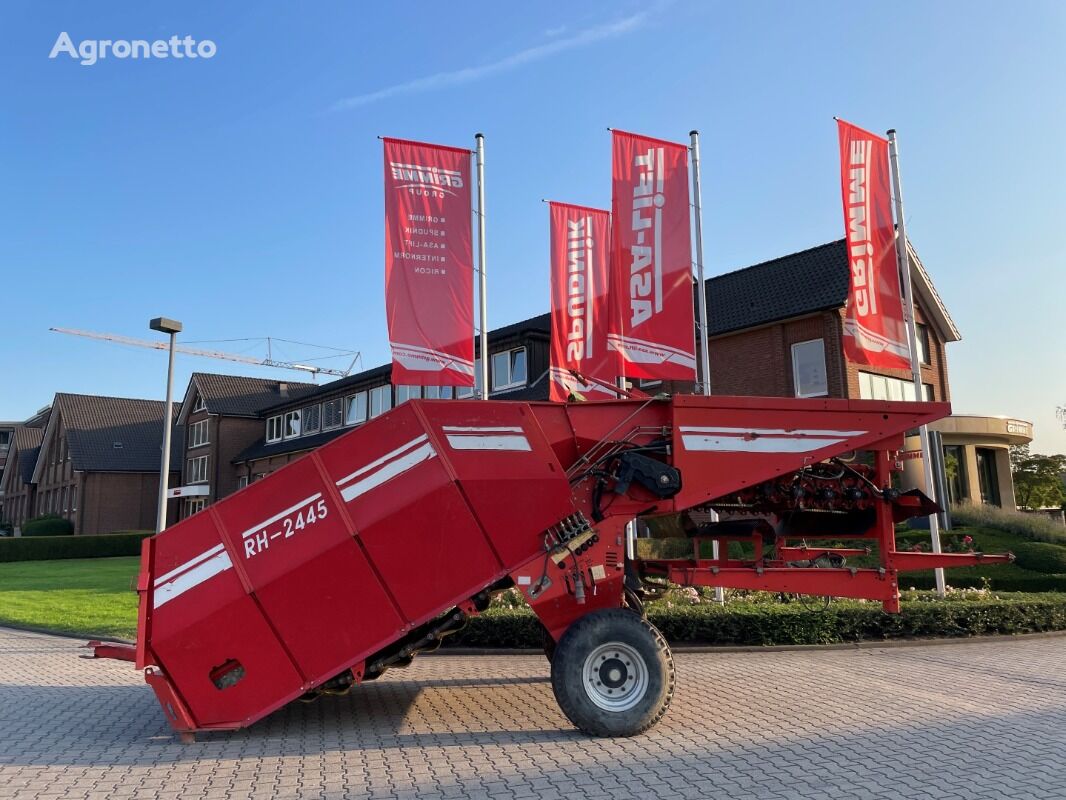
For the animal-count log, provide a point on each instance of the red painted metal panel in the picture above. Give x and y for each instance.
(508, 472)
(202, 618)
(410, 516)
(308, 574)
(727, 443)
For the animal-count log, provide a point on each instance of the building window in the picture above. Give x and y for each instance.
(311, 419)
(808, 369)
(922, 332)
(194, 505)
(274, 429)
(470, 391)
(5, 440)
(882, 387)
(242, 481)
(439, 392)
(73, 499)
(380, 399)
(333, 414)
(355, 409)
(291, 428)
(199, 433)
(199, 405)
(509, 369)
(66, 499)
(987, 475)
(955, 473)
(405, 393)
(197, 472)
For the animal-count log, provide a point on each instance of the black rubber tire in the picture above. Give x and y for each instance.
(568, 682)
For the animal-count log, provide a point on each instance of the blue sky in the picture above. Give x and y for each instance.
(242, 194)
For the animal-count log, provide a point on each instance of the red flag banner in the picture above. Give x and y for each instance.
(652, 258)
(874, 331)
(429, 283)
(580, 271)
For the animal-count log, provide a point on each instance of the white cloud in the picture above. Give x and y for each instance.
(468, 74)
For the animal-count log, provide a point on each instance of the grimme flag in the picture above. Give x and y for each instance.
(580, 271)
(429, 284)
(874, 330)
(654, 329)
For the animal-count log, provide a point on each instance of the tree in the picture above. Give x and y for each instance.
(1038, 481)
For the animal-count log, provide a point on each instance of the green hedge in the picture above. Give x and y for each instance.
(48, 525)
(1041, 557)
(1010, 583)
(46, 548)
(789, 624)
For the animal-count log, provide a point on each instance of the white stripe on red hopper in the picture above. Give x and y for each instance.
(387, 457)
(280, 514)
(388, 472)
(214, 565)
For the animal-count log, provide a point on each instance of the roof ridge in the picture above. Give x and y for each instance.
(250, 378)
(108, 397)
(775, 260)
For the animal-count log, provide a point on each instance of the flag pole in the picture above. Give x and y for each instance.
(903, 259)
(705, 355)
(482, 283)
(701, 292)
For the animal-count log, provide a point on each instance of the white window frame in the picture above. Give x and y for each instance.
(194, 505)
(405, 392)
(199, 405)
(200, 433)
(439, 392)
(382, 395)
(296, 415)
(823, 389)
(360, 402)
(196, 470)
(921, 331)
(511, 382)
(871, 385)
(274, 429)
(341, 417)
(242, 482)
(308, 427)
(463, 392)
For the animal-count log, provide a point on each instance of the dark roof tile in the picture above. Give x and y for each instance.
(791, 286)
(114, 434)
(240, 396)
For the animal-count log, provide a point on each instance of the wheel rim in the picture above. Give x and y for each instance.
(615, 677)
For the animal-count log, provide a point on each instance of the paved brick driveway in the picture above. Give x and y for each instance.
(962, 721)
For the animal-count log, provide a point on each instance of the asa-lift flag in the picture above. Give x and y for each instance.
(580, 293)
(654, 329)
(429, 290)
(875, 332)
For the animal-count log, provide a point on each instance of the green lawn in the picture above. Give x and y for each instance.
(87, 596)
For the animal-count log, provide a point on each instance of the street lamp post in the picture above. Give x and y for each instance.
(172, 327)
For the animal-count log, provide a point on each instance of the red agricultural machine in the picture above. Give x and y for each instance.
(378, 545)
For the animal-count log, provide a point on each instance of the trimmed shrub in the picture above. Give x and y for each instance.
(48, 525)
(46, 548)
(791, 624)
(1041, 557)
(1011, 583)
(1029, 526)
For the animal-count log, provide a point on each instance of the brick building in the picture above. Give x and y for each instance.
(19, 444)
(98, 463)
(776, 329)
(221, 417)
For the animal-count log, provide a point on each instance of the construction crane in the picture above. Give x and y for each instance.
(192, 351)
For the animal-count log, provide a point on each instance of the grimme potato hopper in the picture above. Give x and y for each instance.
(376, 546)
